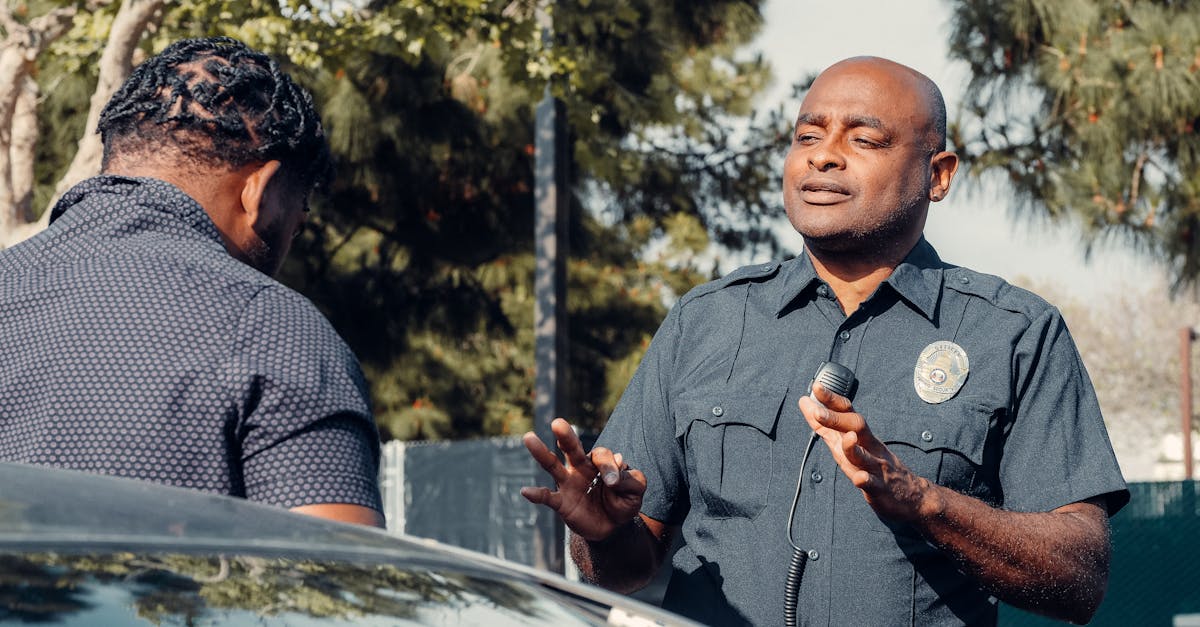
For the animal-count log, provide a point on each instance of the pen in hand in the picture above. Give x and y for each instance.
(592, 486)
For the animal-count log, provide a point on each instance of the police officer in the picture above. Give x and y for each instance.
(968, 463)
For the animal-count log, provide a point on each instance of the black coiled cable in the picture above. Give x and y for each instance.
(791, 590)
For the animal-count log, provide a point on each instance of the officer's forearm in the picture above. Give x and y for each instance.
(626, 560)
(1054, 563)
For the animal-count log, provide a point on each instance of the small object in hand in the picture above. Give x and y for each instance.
(595, 482)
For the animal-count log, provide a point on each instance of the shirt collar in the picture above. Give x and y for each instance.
(151, 193)
(918, 279)
(799, 275)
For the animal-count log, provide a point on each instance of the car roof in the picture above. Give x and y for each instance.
(51, 509)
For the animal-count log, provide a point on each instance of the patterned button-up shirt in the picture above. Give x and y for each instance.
(133, 344)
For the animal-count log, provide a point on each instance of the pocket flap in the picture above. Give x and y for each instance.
(746, 407)
(960, 427)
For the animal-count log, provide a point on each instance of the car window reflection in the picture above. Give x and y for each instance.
(181, 589)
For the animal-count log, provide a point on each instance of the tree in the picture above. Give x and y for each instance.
(1129, 341)
(1090, 109)
(422, 252)
(116, 62)
(23, 41)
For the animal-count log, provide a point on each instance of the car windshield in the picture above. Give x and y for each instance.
(81, 549)
(122, 588)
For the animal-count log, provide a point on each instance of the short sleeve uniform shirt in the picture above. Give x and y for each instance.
(135, 345)
(711, 418)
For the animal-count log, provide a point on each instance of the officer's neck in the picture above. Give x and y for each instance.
(854, 275)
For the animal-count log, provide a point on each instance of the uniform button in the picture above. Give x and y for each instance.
(813, 555)
(718, 412)
(822, 291)
(845, 335)
(767, 267)
(816, 476)
(964, 280)
(927, 436)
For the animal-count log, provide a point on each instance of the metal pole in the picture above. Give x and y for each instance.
(1186, 336)
(550, 287)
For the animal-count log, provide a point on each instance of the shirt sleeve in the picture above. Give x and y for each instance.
(642, 428)
(304, 420)
(1058, 451)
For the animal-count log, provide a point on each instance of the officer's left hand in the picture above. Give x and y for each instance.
(890, 488)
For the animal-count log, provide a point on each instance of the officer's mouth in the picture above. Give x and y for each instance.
(823, 192)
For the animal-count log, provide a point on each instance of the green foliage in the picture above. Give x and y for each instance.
(1090, 109)
(422, 252)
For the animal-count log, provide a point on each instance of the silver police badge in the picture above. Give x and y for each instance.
(941, 371)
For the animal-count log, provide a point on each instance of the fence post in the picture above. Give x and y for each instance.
(550, 286)
(1186, 336)
(391, 486)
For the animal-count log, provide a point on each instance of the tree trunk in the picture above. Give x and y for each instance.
(116, 62)
(12, 74)
(24, 148)
(21, 46)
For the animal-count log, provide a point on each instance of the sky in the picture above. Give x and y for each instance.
(972, 227)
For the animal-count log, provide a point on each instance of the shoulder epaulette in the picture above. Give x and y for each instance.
(744, 273)
(996, 291)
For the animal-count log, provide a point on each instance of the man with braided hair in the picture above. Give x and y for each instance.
(142, 334)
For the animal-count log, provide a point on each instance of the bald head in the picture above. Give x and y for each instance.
(905, 83)
(866, 160)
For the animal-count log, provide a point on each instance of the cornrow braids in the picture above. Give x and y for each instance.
(218, 101)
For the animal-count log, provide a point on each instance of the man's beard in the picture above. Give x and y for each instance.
(262, 255)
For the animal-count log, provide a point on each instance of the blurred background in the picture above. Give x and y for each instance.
(1075, 119)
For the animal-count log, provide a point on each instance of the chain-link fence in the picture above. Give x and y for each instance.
(1155, 576)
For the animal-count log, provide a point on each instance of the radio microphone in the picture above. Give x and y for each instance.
(833, 377)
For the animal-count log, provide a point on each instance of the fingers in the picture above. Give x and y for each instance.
(856, 455)
(608, 464)
(543, 496)
(569, 444)
(820, 415)
(632, 481)
(547, 460)
(836, 402)
(813, 413)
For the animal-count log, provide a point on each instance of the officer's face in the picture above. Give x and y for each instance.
(857, 176)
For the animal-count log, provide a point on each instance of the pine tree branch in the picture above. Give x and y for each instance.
(1137, 178)
(705, 165)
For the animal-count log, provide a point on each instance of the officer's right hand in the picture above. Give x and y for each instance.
(611, 503)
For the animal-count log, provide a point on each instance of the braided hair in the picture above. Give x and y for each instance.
(220, 103)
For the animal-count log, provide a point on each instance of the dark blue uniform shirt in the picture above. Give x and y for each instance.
(711, 417)
(133, 344)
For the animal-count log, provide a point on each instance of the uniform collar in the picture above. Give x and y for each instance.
(151, 193)
(918, 279)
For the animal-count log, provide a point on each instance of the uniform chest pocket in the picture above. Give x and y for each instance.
(728, 441)
(942, 443)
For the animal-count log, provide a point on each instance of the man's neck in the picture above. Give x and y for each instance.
(853, 277)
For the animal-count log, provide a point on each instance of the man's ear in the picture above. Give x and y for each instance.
(942, 167)
(254, 188)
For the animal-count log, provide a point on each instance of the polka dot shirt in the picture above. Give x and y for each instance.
(133, 344)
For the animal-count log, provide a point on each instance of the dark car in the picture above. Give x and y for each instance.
(81, 549)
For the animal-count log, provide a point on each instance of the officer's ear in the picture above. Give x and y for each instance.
(942, 167)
